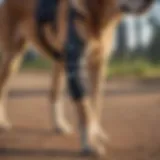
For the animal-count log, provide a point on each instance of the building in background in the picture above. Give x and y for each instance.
(134, 34)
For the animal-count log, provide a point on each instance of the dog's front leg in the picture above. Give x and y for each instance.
(89, 127)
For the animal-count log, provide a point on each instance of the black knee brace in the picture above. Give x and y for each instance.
(73, 51)
(73, 76)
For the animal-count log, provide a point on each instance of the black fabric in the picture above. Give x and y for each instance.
(73, 52)
(47, 11)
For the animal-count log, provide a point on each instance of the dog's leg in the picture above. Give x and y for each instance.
(96, 70)
(97, 64)
(12, 42)
(89, 127)
(9, 67)
(57, 99)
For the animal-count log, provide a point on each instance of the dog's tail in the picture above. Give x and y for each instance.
(46, 13)
(51, 51)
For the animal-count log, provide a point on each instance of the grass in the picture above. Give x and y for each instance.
(39, 63)
(137, 68)
(140, 68)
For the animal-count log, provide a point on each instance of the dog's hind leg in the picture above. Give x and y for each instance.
(12, 43)
(57, 99)
(9, 66)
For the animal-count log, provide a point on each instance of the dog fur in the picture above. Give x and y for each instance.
(18, 31)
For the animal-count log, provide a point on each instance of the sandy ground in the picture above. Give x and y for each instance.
(131, 118)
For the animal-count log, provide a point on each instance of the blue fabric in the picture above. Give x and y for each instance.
(73, 52)
(46, 11)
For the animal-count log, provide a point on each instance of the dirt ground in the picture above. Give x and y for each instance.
(131, 118)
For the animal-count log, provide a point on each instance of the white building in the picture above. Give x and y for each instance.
(145, 29)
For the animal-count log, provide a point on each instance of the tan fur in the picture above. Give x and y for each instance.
(18, 28)
(17, 33)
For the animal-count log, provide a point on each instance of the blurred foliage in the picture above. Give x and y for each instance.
(138, 67)
(38, 63)
(153, 51)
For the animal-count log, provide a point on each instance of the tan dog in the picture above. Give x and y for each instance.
(100, 18)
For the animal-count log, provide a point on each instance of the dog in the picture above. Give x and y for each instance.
(79, 29)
